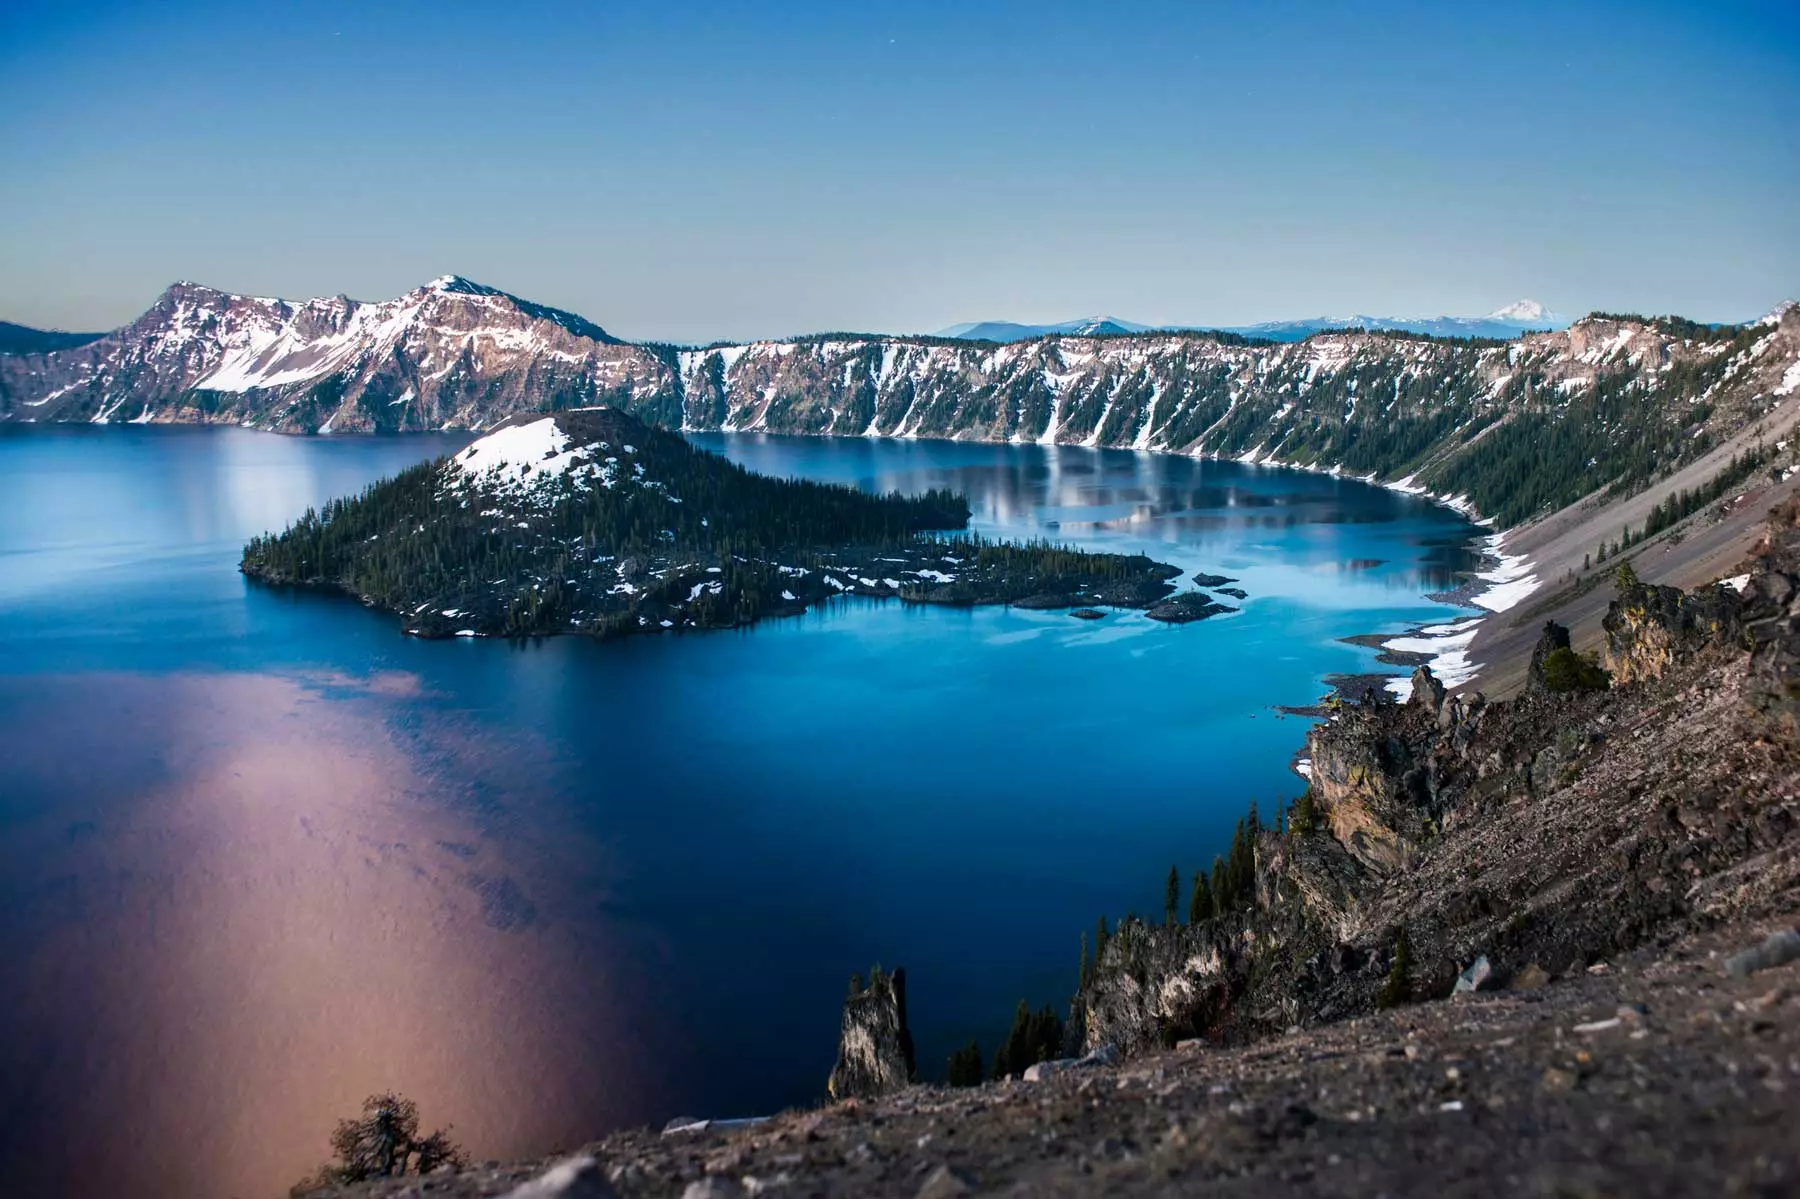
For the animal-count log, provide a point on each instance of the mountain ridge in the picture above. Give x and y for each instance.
(1516, 428)
(1509, 321)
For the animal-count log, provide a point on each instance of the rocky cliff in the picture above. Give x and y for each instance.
(1542, 834)
(1516, 426)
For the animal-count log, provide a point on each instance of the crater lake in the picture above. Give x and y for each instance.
(262, 855)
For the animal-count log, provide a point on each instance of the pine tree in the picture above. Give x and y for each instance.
(965, 1066)
(1087, 966)
(1171, 896)
(1306, 813)
(1200, 903)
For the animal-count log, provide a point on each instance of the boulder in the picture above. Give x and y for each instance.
(1106, 1055)
(1777, 949)
(576, 1178)
(1478, 977)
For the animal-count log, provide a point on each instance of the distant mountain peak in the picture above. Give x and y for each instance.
(460, 286)
(1522, 310)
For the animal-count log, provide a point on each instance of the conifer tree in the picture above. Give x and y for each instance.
(1171, 896)
(1200, 903)
(1306, 813)
(965, 1066)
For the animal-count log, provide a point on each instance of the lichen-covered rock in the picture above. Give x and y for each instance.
(875, 1049)
(1650, 628)
(1153, 985)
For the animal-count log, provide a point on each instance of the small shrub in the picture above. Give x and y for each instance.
(1566, 671)
(1398, 987)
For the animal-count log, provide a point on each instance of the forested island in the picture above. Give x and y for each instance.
(590, 521)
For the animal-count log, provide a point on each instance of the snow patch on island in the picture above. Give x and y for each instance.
(521, 456)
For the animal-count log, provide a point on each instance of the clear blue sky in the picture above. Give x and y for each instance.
(691, 171)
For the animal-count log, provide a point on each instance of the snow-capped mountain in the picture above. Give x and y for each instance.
(1521, 316)
(1524, 312)
(434, 356)
(1510, 321)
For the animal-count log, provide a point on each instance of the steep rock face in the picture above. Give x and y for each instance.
(875, 1048)
(1650, 628)
(1449, 416)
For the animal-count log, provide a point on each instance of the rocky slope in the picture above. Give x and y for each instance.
(1519, 427)
(1541, 833)
(1658, 1073)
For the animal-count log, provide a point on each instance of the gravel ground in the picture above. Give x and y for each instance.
(1657, 1074)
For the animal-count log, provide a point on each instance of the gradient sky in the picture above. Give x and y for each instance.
(698, 171)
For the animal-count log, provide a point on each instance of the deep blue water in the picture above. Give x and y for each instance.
(261, 855)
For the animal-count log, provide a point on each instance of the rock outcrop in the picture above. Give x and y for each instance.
(1649, 628)
(875, 1048)
(1371, 781)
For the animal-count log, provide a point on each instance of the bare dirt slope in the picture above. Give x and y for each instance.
(1713, 544)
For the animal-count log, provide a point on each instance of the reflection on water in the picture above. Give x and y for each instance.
(260, 855)
(1223, 513)
(286, 913)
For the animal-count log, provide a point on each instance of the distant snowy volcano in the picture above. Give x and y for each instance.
(1524, 312)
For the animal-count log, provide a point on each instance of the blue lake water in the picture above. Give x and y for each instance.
(261, 855)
